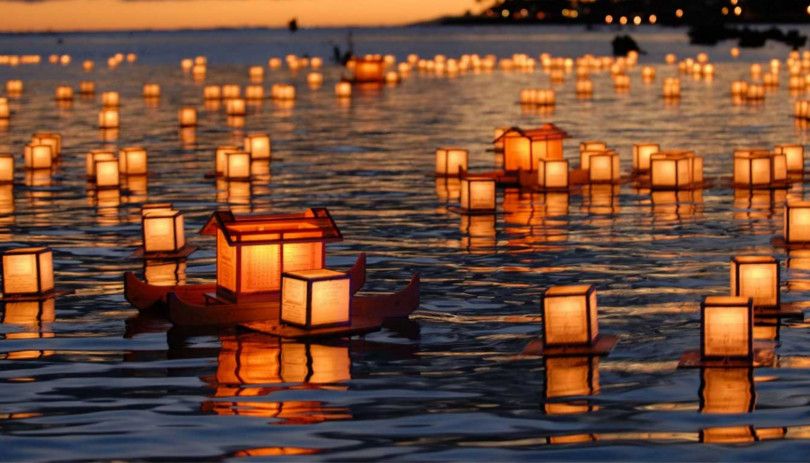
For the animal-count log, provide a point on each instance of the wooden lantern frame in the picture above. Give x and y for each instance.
(38, 252)
(709, 302)
(541, 137)
(739, 261)
(591, 324)
(308, 325)
(443, 158)
(157, 214)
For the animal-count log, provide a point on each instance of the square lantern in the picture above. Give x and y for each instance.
(38, 157)
(756, 277)
(54, 140)
(369, 68)
(151, 90)
(477, 194)
(758, 168)
(132, 161)
(107, 174)
(108, 118)
(604, 168)
(552, 174)
(87, 87)
(163, 231)
(110, 99)
(258, 145)
(670, 171)
(641, 155)
(794, 156)
(451, 162)
(5, 112)
(797, 222)
(237, 165)
(235, 107)
(27, 272)
(231, 91)
(187, 117)
(212, 92)
(92, 157)
(726, 327)
(315, 298)
(726, 390)
(221, 160)
(522, 149)
(343, 89)
(63, 93)
(569, 316)
(6, 168)
(585, 158)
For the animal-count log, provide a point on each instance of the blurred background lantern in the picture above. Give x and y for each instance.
(569, 316)
(315, 298)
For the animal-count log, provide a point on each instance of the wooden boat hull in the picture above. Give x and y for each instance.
(146, 297)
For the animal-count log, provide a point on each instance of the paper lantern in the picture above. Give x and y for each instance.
(63, 93)
(237, 165)
(604, 168)
(221, 160)
(755, 92)
(315, 79)
(369, 68)
(27, 272)
(739, 88)
(621, 82)
(726, 327)
(758, 168)
(132, 161)
(584, 87)
(538, 96)
(235, 107)
(151, 91)
(54, 140)
(212, 92)
(552, 174)
(14, 87)
(648, 73)
(451, 162)
(315, 298)
(392, 77)
(107, 173)
(256, 73)
(187, 117)
(6, 168)
(87, 87)
(641, 155)
(258, 145)
(794, 156)
(797, 222)
(163, 231)
(108, 119)
(569, 316)
(343, 89)
(285, 92)
(254, 93)
(522, 149)
(670, 171)
(477, 194)
(38, 157)
(5, 111)
(756, 277)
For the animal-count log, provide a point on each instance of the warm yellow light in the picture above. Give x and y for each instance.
(151, 90)
(315, 298)
(552, 174)
(258, 145)
(726, 391)
(212, 92)
(604, 167)
(315, 79)
(794, 156)
(737, 11)
(235, 107)
(755, 168)
(451, 162)
(63, 93)
(187, 117)
(679, 13)
(87, 87)
(108, 118)
(608, 19)
(478, 194)
(641, 155)
(110, 99)
(163, 231)
(623, 20)
(27, 271)
(570, 377)
(726, 327)
(107, 174)
(343, 89)
(132, 161)
(569, 315)
(6, 168)
(38, 156)
(637, 20)
(5, 111)
(653, 19)
(797, 222)
(756, 277)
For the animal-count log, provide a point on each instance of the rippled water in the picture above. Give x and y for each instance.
(92, 381)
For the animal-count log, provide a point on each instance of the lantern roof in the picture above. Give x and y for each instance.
(546, 131)
(312, 225)
(754, 259)
(568, 290)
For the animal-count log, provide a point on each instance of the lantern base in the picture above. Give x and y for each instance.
(36, 297)
(780, 242)
(502, 177)
(183, 252)
(764, 356)
(358, 326)
(462, 211)
(602, 346)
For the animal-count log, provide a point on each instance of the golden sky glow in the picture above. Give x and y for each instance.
(160, 14)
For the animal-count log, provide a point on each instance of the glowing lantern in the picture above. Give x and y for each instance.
(648, 73)
(54, 140)
(316, 62)
(641, 155)
(27, 272)
(212, 92)
(256, 73)
(392, 77)
(477, 194)
(5, 112)
(522, 149)
(367, 69)
(755, 92)
(221, 159)
(592, 146)
(254, 251)
(315, 298)
(14, 87)
(739, 88)
(797, 222)
(237, 165)
(451, 162)
(108, 118)
(132, 161)
(132, 57)
(87, 87)
(794, 156)
(315, 79)
(343, 89)
(569, 316)
(621, 82)
(6, 168)
(107, 174)
(584, 87)
(254, 92)
(671, 171)
(163, 231)
(726, 327)
(274, 63)
(63, 93)
(38, 157)
(92, 157)
(230, 91)
(538, 96)
(258, 145)
(552, 174)
(187, 117)
(235, 107)
(151, 91)
(604, 168)
(282, 92)
(758, 168)
(756, 277)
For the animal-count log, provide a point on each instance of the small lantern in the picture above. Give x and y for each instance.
(254, 93)
(5, 112)
(670, 171)
(274, 63)
(739, 88)
(14, 87)
(237, 165)
(621, 82)
(92, 157)
(584, 87)
(343, 89)
(477, 194)
(726, 327)
(315, 79)
(87, 87)
(151, 91)
(230, 91)
(641, 155)
(797, 222)
(369, 68)
(54, 140)
(108, 119)
(6, 168)
(235, 107)
(221, 160)
(569, 316)
(523, 149)
(132, 161)
(392, 77)
(604, 168)
(163, 231)
(315, 298)
(284, 92)
(451, 162)
(648, 73)
(187, 117)
(794, 156)
(756, 277)
(758, 168)
(258, 145)
(63, 93)
(107, 174)
(38, 157)
(27, 272)
(755, 92)
(212, 92)
(552, 174)
(256, 73)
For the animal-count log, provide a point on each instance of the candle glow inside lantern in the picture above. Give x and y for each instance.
(163, 231)
(54, 140)
(151, 91)
(756, 277)
(230, 91)
(284, 92)
(256, 73)
(132, 161)
(92, 157)
(552, 174)
(477, 194)
(107, 173)
(315, 79)
(343, 89)
(87, 87)
(237, 165)
(794, 156)
(14, 87)
(315, 298)
(110, 99)
(221, 159)
(368, 69)
(38, 156)
(27, 272)
(797, 222)
(451, 162)
(253, 93)
(726, 327)
(6, 168)
(187, 117)
(258, 145)
(641, 155)
(758, 168)
(569, 316)
(212, 92)
(604, 167)
(108, 118)
(522, 149)
(671, 171)
(254, 251)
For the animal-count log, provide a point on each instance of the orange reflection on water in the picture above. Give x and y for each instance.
(676, 205)
(165, 273)
(727, 391)
(479, 233)
(33, 318)
(571, 379)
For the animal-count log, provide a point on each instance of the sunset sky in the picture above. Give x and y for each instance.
(24, 15)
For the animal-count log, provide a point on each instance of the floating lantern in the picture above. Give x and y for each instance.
(258, 145)
(212, 92)
(756, 277)
(274, 63)
(254, 92)
(552, 174)
(641, 155)
(801, 109)
(107, 173)
(392, 77)
(63, 93)
(108, 118)
(38, 157)
(343, 89)
(54, 140)
(163, 231)
(672, 87)
(369, 68)
(676, 170)
(235, 107)
(27, 272)
(5, 112)
(522, 149)
(132, 57)
(110, 99)
(451, 162)
(726, 327)
(230, 91)
(6, 168)
(254, 251)
(794, 156)
(604, 167)
(87, 87)
(221, 160)
(256, 73)
(477, 194)
(132, 161)
(315, 298)
(237, 165)
(316, 62)
(282, 92)
(592, 146)
(315, 79)
(569, 316)
(759, 168)
(538, 96)
(648, 73)
(92, 157)
(151, 91)
(187, 117)
(14, 87)
(797, 222)
(755, 92)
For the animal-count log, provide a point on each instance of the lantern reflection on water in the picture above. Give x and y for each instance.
(5, 112)
(641, 155)
(569, 316)
(571, 378)
(759, 168)
(38, 157)
(27, 272)
(756, 277)
(451, 162)
(164, 272)
(258, 145)
(727, 328)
